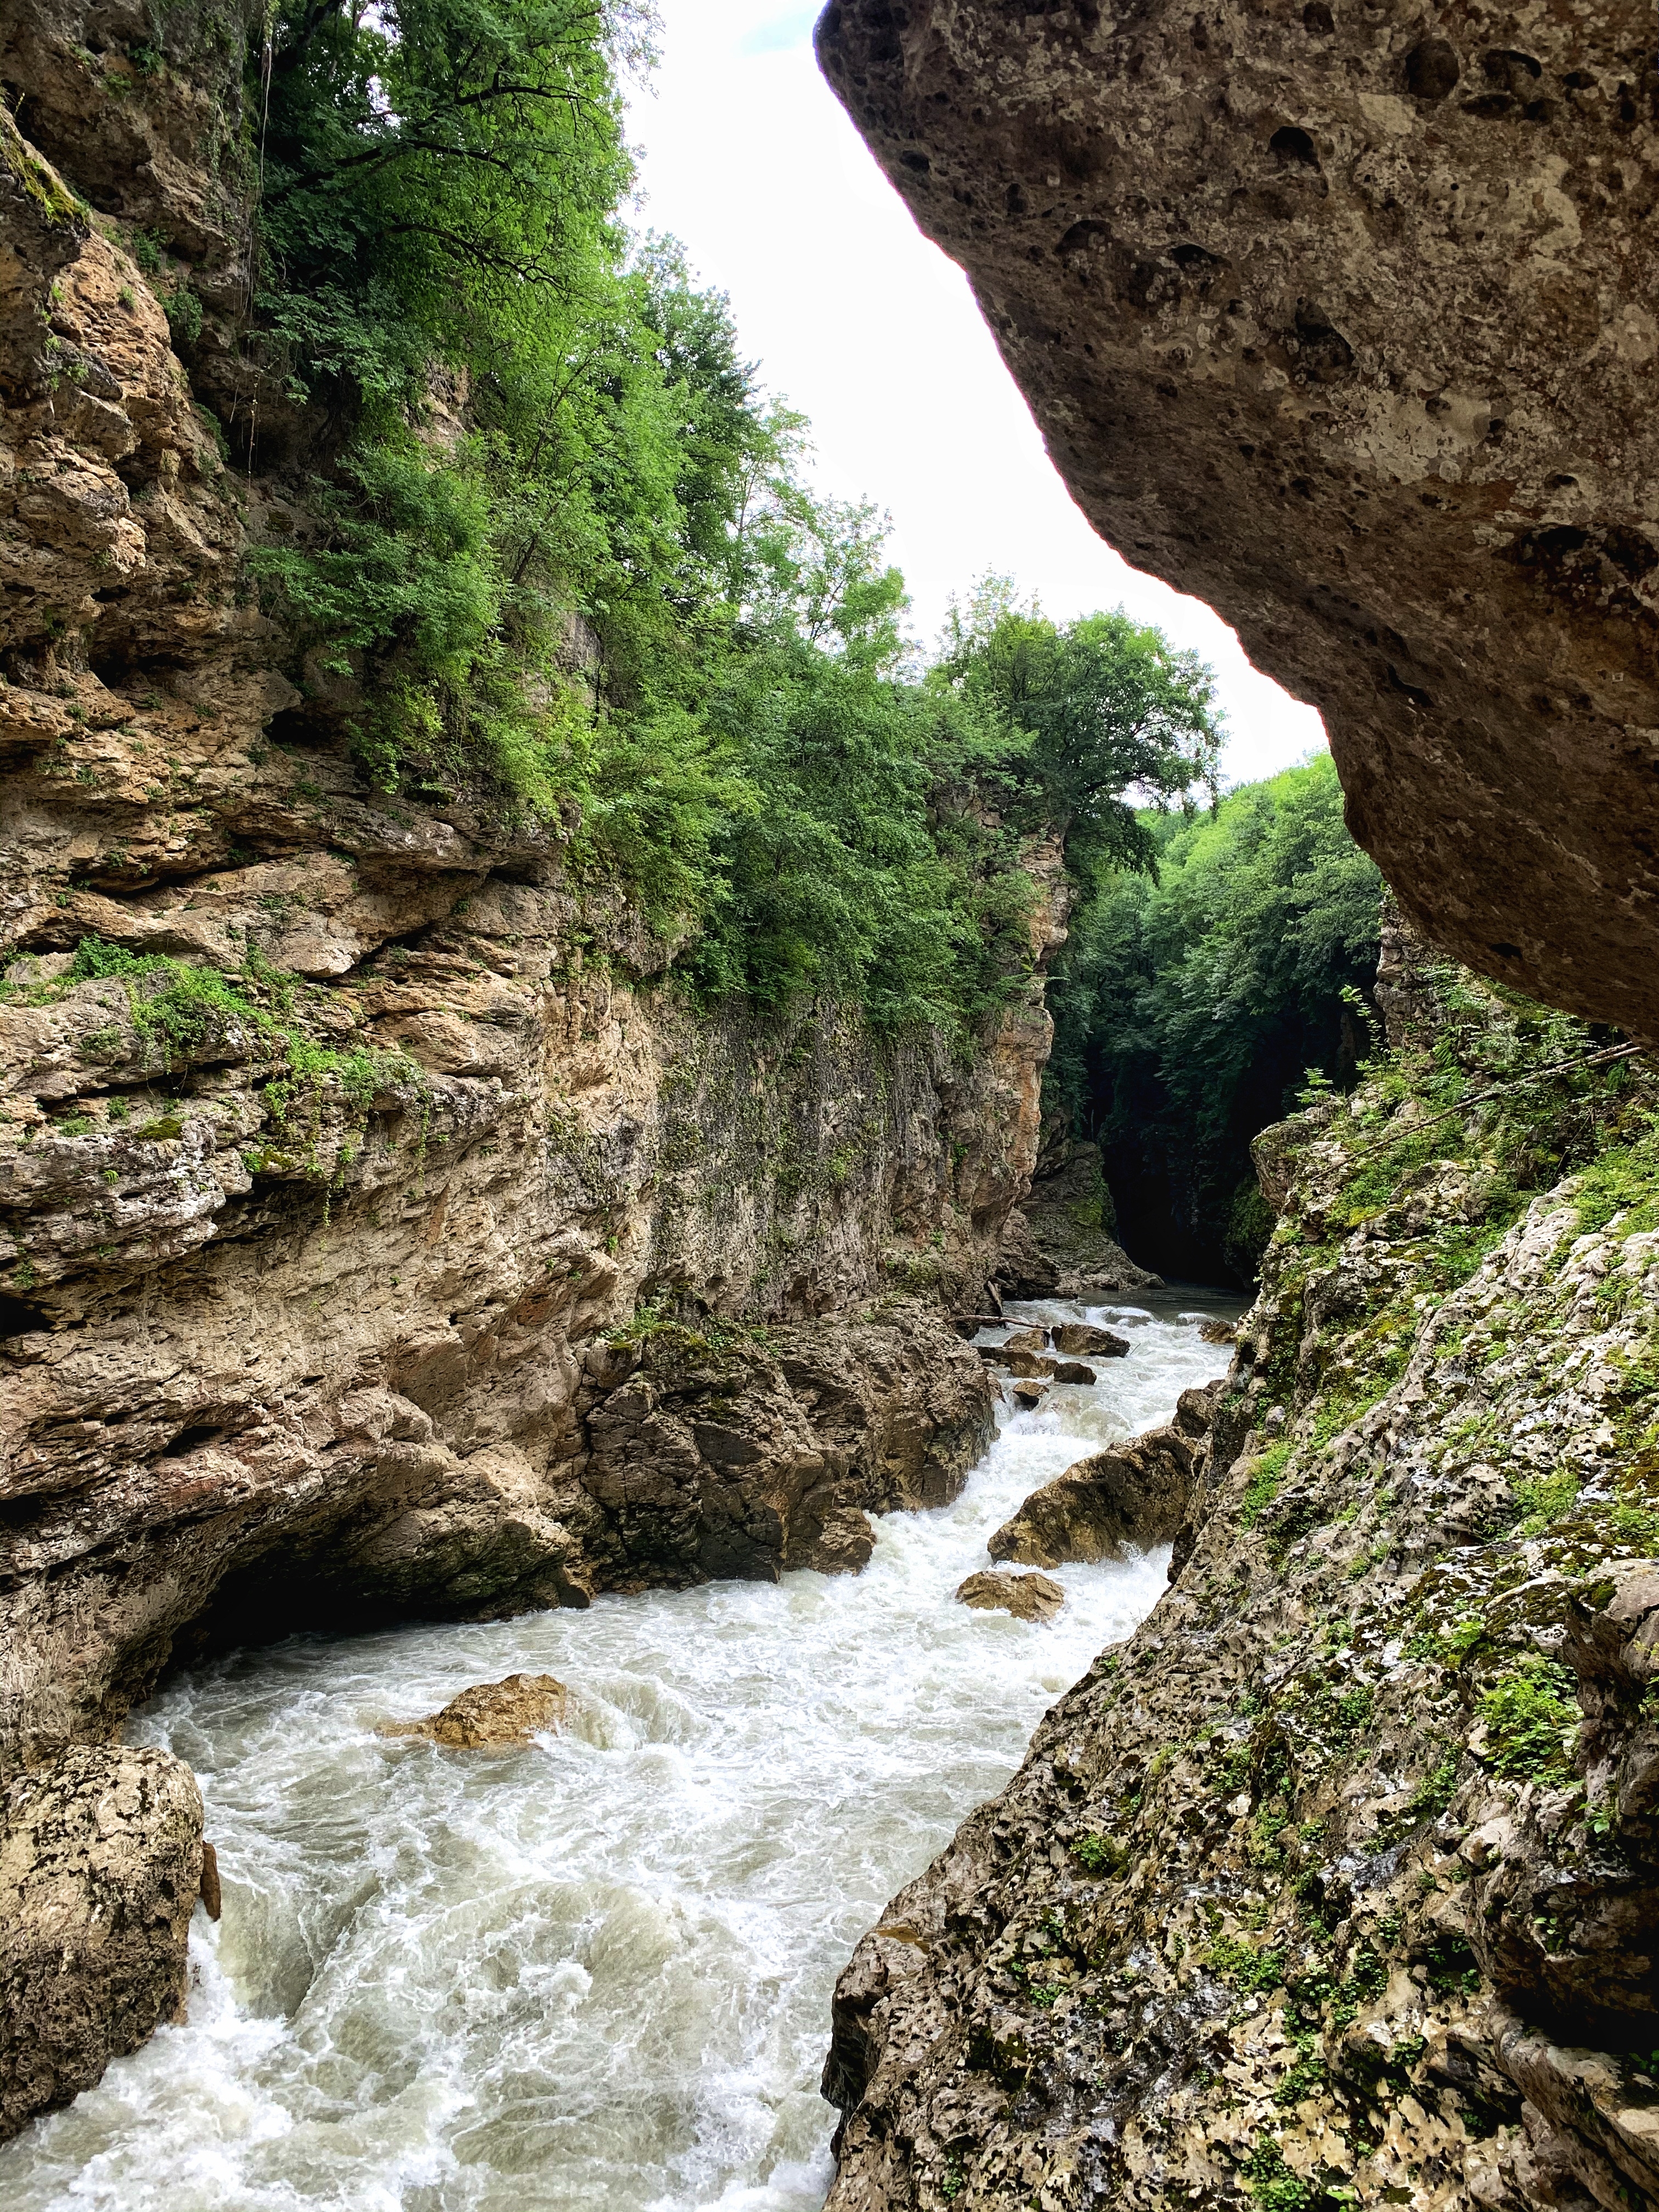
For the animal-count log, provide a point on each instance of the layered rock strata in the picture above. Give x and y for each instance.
(1344, 320)
(1336, 1882)
(381, 1230)
(339, 1134)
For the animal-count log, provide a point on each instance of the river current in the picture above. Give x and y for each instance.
(595, 1972)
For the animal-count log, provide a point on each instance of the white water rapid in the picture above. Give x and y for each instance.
(595, 1972)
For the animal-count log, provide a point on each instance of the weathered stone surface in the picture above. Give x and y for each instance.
(1337, 1882)
(1059, 1243)
(1129, 1496)
(1345, 322)
(1072, 1371)
(1081, 1336)
(492, 1715)
(100, 1864)
(1027, 1597)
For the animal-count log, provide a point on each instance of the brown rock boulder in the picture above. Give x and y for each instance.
(1081, 1336)
(101, 1865)
(1128, 1498)
(1027, 1339)
(492, 1715)
(842, 1545)
(1027, 1597)
(1072, 1371)
(1015, 1362)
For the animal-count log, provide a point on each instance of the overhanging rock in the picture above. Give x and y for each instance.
(1346, 319)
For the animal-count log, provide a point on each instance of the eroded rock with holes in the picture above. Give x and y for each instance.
(101, 1866)
(1345, 322)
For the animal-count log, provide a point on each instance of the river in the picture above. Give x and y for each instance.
(595, 1972)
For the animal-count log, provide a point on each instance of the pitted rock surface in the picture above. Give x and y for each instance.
(101, 1866)
(1336, 1882)
(1346, 320)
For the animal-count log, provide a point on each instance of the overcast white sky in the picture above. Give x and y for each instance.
(858, 320)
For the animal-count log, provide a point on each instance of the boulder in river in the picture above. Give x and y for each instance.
(492, 1715)
(1015, 1362)
(842, 1545)
(1027, 1597)
(101, 1865)
(1081, 1336)
(1026, 1339)
(1028, 1394)
(1072, 1371)
(1130, 1496)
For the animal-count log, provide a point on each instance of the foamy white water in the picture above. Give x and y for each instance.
(597, 1972)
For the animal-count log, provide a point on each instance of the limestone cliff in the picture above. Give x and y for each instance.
(1336, 1882)
(1343, 318)
(382, 1230)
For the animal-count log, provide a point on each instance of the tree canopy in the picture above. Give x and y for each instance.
(529, 424)
(1192, 1006)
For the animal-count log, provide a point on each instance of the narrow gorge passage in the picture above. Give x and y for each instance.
(596, 1973)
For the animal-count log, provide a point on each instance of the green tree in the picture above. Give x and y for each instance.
(1100, 711)
(1191, 1005)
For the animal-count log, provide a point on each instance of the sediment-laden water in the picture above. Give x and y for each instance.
(595, 1972)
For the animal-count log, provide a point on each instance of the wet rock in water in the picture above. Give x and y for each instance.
(1029, 1393)
(493, 1715)
(1027, 1597)
(843, 1544)
(1081, 1336)
(1133, 1496)
(1072, 1371)
(212, 1895)
(1017, 1363)
(1217, 1331)
(100, 1864)
(1027, 1339)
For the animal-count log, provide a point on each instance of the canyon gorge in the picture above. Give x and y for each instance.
(433, 1234)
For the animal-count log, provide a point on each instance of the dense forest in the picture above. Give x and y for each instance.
(542, 432)
(1200, 997)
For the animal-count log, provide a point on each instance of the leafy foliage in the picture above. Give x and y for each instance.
(1192, 1005)
(543, 433)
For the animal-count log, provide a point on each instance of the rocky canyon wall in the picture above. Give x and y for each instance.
(1343, 317)
(1336, 1882)
(382, 1231)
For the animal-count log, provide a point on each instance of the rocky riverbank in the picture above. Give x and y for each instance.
(1333, 1883)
